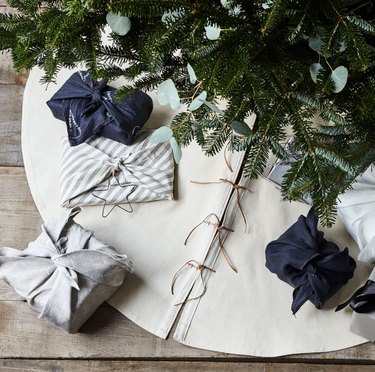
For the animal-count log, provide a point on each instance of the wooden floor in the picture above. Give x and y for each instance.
(108, 341)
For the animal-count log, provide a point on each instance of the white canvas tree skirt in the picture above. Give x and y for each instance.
(246, 312)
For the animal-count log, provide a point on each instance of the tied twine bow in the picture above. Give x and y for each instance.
(219, 229)
(237, 189)
(200, 268)
(363, 299)
(117, 165)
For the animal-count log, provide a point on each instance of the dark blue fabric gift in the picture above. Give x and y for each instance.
(88, 107)
(314, 266)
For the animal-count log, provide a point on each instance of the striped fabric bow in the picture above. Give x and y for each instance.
(103, 171)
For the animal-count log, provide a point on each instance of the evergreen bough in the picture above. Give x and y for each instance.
(287, 61)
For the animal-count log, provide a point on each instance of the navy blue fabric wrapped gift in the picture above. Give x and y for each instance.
(88, 107)
(303, 258)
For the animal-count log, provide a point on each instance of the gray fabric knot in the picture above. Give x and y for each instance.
(96, 97)
(59, 245)
(116, 165)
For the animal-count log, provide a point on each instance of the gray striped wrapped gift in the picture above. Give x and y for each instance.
(105, 171)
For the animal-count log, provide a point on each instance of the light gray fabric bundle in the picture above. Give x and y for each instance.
(66, 273)
(105, 171)
(356, 208)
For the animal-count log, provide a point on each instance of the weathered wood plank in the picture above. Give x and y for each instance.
(11, 95)
(20, 220)
(7, 74)
(11, 91)
(10, 137)
(11, 104)
(7, 293)
(109, 335)
(168, 366)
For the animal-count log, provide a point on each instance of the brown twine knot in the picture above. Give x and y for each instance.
(219, 228)
(237, 189)
(198, 266)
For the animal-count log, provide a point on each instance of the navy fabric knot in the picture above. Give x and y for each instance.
(311, 270)
(88, 107)
(312, 265)
(96, 96)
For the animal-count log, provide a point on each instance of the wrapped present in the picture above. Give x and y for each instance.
(66, 273)
(313, 266)
(88, 107)
(356, 209)
(102, 171)
(363, 304)
(281, 167)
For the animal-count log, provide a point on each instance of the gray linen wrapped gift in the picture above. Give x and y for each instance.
(363, 304)
(66, 273)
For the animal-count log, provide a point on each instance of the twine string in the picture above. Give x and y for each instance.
(237, 188)
(219, 229)
(200, 267)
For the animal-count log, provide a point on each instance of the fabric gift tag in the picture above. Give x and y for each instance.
(66, 273)
(102, 171)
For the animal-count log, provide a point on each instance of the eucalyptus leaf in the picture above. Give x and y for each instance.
(118, 23)
(241, 128)
(213, 107)
(192, 76)
(168, 95)
(213, 32)
(198, 101)
(315, 68)
(233, 10)
(316, 43)
(160, 135)
(176, 148)
(340, 77)
(227, 4)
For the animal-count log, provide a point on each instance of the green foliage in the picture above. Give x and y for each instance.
(260, 64)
